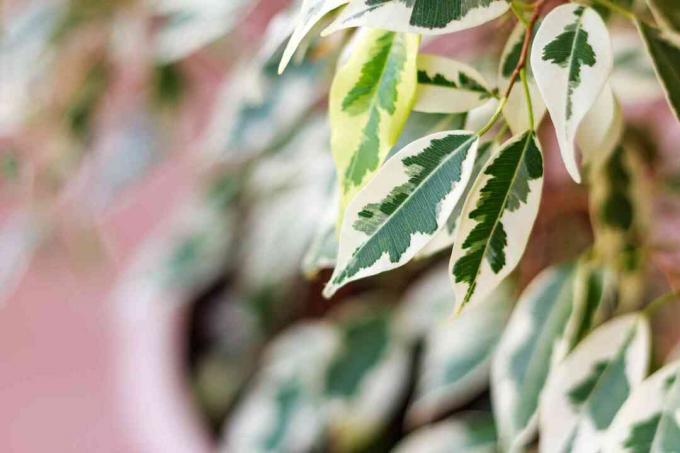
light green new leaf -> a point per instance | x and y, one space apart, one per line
528 349
516 110
472 432
586 390
370 99
497 218
571 59
448 86
667 13
403 206
665 53
457 357
311 12
446 235
649 421
428 17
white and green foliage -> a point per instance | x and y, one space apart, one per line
444 238
497 218
367 373
372 93
516 110
587 389
192 24
406 203
633 78
602 128
471 432
419 16
665 52
457 357
530 346
571 59
649 420
448 86
281 410
311 12
323 250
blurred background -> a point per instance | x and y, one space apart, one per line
166 227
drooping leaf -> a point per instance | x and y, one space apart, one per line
667 13
497 218
527 351
404 205
446 235
457 357
588 387
419 16
602 127
665 52
311 12
571 59
472 432
370 99
516 110
649 420
447 86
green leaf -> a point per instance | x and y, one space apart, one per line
527 351
591 384
370 99
471 432
571 59
665 53
405 204
418 16
311 12
457 358
648 421
447 86
497 218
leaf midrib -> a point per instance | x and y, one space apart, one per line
579 24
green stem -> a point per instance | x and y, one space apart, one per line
494 118
659 302
527 95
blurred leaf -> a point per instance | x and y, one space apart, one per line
648 420
466 433
588 388
457 357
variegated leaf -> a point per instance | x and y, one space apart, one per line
457 358
667 13
370 99
448 86
444 238
419 16
311 12
602 128
497 218
516 110
571 59
587 389
527 351
365 378
403 206
665 52
649 421
280 412
466 433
